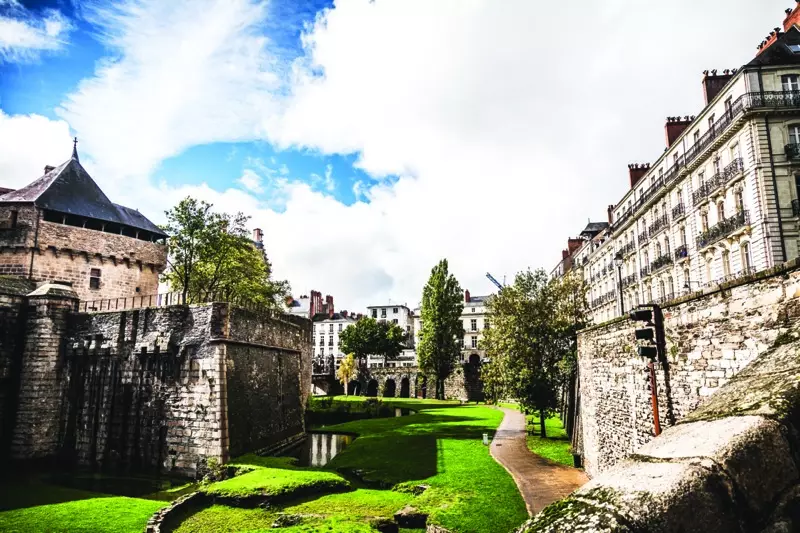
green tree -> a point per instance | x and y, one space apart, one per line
346 371
442 329
370 337
532 338
210 254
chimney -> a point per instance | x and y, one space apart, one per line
564 254
713 83
610 212
289 300
573 245
258 235
48 168
637 171
466 296
344 313
675 126
329 305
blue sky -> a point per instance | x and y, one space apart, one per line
40 86
368 139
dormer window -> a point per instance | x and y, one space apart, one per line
790 82
795 48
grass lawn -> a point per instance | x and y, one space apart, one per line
440 447
38 507
556 446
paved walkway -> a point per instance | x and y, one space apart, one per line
540 481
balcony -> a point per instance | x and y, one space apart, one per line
681 252
628 248
792 151
723 229
644 272
657 225
733 169
642 239
629 280
660 262
678 211
744 104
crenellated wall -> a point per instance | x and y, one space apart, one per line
711 336
160 389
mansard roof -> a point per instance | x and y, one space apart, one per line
779 53
69 189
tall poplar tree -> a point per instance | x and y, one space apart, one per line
442 328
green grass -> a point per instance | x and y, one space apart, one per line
556 446
276 476
440 447
39 507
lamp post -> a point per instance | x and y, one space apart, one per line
687 285
618 263
653 349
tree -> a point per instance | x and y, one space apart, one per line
210 254
370 337
442 329
532 338
346 371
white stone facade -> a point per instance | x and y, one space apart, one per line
475 318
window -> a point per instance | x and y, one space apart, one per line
394 321
461 342
670 287
330 328
721 211
738 200
658 249
383 313
794 134
662 288
330 340
711 122
696 136
790 82
322 350
726 264
795 48
746 260
645 259
675 159
322 340
683 235
473 324
94 278
474 341
708 270
680 196
394 310
686 280
314 329
704 221
340 328
728 104
486 323
14 215
716 165
374 313
473 309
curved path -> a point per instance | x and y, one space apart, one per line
541 482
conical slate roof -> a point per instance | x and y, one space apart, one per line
69 189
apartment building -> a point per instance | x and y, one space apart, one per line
475 317
396 313
721 201
326 331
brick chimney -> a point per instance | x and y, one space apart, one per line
289 300
713 82
466 296
610 212
344 313
315 305
675 126
573 245
792 17
258 235
637 171
329 305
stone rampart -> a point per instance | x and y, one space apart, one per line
731 466
711 336
160 389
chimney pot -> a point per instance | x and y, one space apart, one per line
258 235
635 173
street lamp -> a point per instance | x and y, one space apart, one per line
687 286
618 263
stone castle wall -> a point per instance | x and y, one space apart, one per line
51 251
161 389
710 337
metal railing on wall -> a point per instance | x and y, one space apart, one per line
167 299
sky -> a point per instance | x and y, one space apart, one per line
367 138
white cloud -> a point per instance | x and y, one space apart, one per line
27 144
24 35
251 181
509 123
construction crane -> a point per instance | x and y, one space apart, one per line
497 283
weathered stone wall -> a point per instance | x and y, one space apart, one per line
157 388
710 337
51 251
12 319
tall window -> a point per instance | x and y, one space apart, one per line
94 278
746 258
374 313
711 120
322 340
716 165
726 264
728 104
645 259
340 328
330 328
696 136
708 270
790 82
486 323
704 221
474 341
686 279
683 235
330 340
383 313
394 310
738 200
721 211
680 196
658 249
670 287
662 288
794 134
394 321
473 324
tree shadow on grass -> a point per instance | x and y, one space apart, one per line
22 494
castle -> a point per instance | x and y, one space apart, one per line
62 227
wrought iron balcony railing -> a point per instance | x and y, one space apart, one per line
660 262
642 239
712 185
732 169
629 280
644 272
657 225
792 151
723 229
745 103
681 252
678 211
628 248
